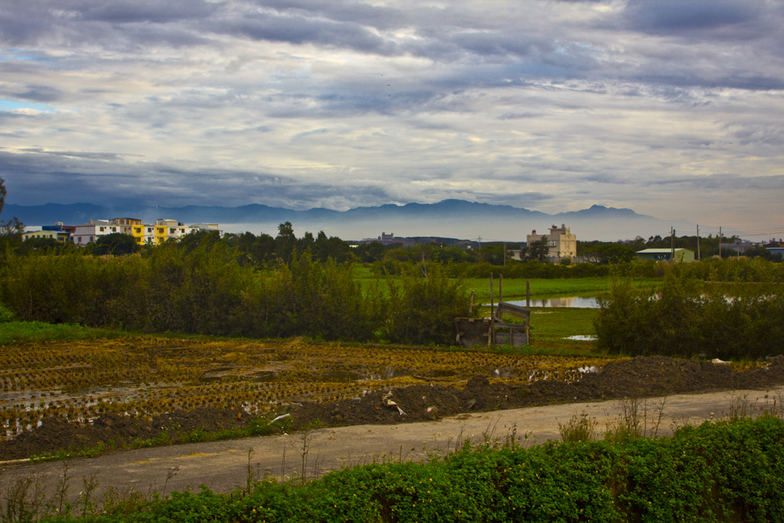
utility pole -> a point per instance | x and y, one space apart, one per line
719 242
698 243
672 245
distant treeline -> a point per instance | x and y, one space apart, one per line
265 250
704 248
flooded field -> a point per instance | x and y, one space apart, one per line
146 377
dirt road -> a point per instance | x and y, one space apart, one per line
223 466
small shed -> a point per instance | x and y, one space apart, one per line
493 330
680 255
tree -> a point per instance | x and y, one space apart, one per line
333 247
191 242
3 194
11 230
48 245
116 244
285 241
537 250
11 234
604 253
370 252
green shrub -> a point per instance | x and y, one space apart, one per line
690 319
424 305
6 314
578 428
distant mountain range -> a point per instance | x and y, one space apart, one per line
449 218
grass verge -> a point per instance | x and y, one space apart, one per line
725 470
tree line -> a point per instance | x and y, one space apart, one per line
206 287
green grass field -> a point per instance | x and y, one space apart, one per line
514 288
38 332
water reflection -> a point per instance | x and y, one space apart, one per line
583 302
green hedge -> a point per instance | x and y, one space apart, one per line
721 471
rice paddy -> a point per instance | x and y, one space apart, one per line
149 376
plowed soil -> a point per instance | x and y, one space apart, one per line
636 378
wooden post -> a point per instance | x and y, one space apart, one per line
528 306
471 304
500 288
492 314
492 308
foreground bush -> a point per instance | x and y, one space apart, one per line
688 318
722 471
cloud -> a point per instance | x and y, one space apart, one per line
41 93
554 105
673 17
300 30
137 11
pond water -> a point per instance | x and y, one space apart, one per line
577 302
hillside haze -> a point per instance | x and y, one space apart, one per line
449 218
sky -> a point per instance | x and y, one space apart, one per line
673 109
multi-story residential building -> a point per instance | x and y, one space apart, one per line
167 229
125 225
145 234
90 232
561 243
58 231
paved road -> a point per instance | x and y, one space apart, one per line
224 466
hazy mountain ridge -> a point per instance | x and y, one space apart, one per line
448 218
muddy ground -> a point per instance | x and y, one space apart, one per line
636 378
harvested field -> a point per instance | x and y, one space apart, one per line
65 395
147 377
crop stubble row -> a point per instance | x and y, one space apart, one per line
150 376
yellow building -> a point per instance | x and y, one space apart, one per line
166 229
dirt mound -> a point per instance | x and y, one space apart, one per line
209 419
639 377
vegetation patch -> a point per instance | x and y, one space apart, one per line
687 317
727 470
